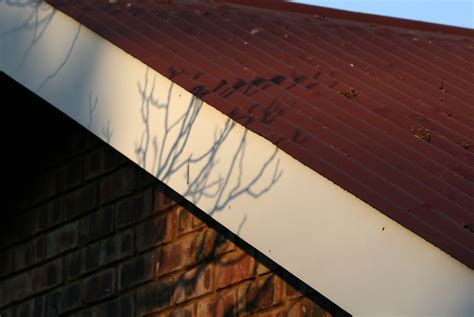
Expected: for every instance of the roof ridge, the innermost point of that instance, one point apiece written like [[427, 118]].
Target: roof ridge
[[292, 7]]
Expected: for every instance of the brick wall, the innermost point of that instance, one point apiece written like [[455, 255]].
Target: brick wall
[[88, 233]]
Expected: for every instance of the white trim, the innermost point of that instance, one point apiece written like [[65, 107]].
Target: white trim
[[324, 235]]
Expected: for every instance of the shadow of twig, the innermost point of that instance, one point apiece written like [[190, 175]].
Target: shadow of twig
[[39, 25], [107, 132], [92, 108], [32, 21], [65, 60]]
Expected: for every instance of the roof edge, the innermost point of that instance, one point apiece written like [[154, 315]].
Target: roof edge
[[284, 5]]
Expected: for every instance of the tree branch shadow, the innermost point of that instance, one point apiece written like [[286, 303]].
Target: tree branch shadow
[[91, 109], [165, 153], [64, 61]]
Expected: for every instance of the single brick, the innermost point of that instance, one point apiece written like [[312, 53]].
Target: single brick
[[35, 307], [117, 184], [110, 309], [29, 253], [133, 209], [162, 199], [74, 264], [196, 282], [116, 247], [137, 270], [187, 222], [68, 175], [260, 294], [154, 296], [20, 286], [15, 288], [91, 256], [188, 310], [39, 249], [79, 201], [197, 223], [270, 291], [48, 215], [209, 244], [41, 216], [155, 231], [220, 304], [53, 303], [23, 309], [21, 255], [127, 306], [99, 286], [97, 224], [71, 296], [55, 213], [247, 298], [235, 267], [62, 239], [175, 255], [47, 276], [38, 308]]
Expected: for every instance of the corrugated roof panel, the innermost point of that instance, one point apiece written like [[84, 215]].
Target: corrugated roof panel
[[380, 106]]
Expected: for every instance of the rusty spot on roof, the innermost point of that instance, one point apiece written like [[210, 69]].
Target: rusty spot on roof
[[441, 86], [254, 31], [423, 134], [350, 93], [465, 144]]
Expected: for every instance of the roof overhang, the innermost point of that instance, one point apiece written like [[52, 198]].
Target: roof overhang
[[356, 256]]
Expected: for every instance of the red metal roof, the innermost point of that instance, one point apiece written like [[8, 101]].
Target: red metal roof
[[382, 107]]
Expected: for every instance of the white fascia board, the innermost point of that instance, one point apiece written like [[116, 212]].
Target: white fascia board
[[363, 261]]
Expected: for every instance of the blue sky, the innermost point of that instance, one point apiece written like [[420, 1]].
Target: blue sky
[[450, 12]]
